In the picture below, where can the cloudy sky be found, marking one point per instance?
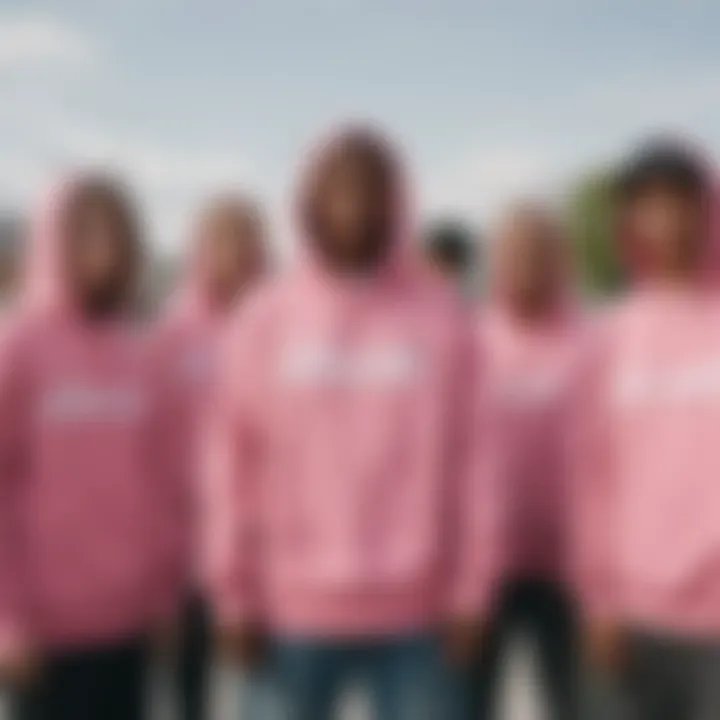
(491, 97)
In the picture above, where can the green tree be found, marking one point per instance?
(12, 235)
(591, 226)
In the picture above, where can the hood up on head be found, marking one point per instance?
(564, 298)
(43, 284)
(192, 296)
(631, 256)
(401, 254)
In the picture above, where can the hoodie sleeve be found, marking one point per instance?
(172, 519)
(477, 514)
(231, 459)
(15, 452)
(591, 494)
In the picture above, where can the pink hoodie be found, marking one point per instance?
(531, 369)
(343, 453)
(187, 339)
(647, 530)
(88, 543)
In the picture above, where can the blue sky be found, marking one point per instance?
(490, 98)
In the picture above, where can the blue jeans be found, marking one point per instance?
(405, 678)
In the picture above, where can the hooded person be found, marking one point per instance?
(227, 256)
(342, 458)
(531, 336)
(451, 251)
(88, 548)
(647, 541)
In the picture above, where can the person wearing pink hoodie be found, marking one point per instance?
(89, 562)
(342, 457)
(647, 531)
(531, 331)
(227, 256)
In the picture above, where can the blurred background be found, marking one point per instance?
(492, 99)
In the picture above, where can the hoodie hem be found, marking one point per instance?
(700, 621)
(93, 628)
(345, 615)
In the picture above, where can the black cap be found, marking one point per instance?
(451, 242)
(662, 162)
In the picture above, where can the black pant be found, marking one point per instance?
(103, 683)
(191, 678)
(668, 678)
(546, 613)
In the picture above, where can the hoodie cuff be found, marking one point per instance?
(468, 603)
(168, 601)
(14, 641)
(234, 612)
(599, 609)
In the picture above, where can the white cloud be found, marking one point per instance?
(483, 174)
(20, 176)
(662, 95)
(170, 181)
(685, 102)
(155, 167)
(488, 176)
(44, 41)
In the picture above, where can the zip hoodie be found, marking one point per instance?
(531, 368)
(342, 456)
(647, 532)
(88, 543)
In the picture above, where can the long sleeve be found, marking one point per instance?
(231, 463)
(477, 516)
(15, 455)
